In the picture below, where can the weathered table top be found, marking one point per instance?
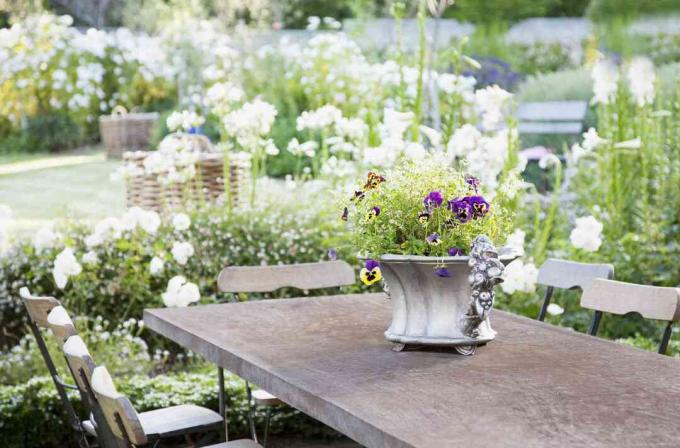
(535, 385)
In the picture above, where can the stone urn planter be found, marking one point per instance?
(451, 310)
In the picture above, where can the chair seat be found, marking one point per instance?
(180, 419)
(243, 443)
(264, 398)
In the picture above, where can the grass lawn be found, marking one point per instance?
(43, 194)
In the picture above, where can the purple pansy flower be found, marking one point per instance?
(478, 204)
(332, 254)
(433, 239)
(455, 252)
(372, 213)
(461, 209)
(442, 272)
(371, 264)
(473, 182)
(433, 200)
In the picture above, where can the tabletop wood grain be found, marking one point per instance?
(536, 385)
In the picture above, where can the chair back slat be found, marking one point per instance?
(566, 274)
(119, 413)
(651, 302)
(38, 307)
(305, 276)
(81, 363)
(61, 324)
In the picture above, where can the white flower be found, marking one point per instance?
(313, 23)
(180, 292)
(493, 103)
(270, 149)
(45, 238)
(587, 234)
(65, 265)
(518, 276)
(463, 141)
(90, 257)
(181, 252)
(641, 79)
(156, 266)
(549, 161)
(320, 118)
(515, 241)
(577, 153)
(251, 122)
(181, 221)
(554, 309)
(605, 81)
(635, 143)
(149, 221)
(184, 121)
(591, 140)
(415, 151)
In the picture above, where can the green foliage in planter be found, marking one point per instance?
(25, 405)
(390, 215)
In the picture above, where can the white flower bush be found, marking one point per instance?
(182, 251)
(587, 234)
(180, 293)
(65, 266)
(519, 277)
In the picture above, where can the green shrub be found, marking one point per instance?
(36, 401)
(603, 10)
(514, 10)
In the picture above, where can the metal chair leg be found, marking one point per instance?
(222, 401)
(666, 338)
(251, 417)
(266, 427)
(595, 323)
(546, 302)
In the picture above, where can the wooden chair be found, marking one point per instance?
(564, 274)
(145, 428)
(38, 309)
(251, 279)
(552, 117)
(651, 302)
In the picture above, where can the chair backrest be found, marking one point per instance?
(61, 324)
(117, 409)
(566, 274)
(79, 361)
(551, 117)
(305, 276)
(38, 307)
(651, 302)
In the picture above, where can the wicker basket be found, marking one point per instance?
(122, 131)
(207, 186)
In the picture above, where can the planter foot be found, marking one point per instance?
(398, 347)
(466, 350)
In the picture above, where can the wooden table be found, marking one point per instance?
(535, 385)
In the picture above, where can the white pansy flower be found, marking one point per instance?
(587, 234)
(65, 266)
(156, 266)
(182, 251)
(45, 238)
(641, 80)
(518, 276)
(181, 221)
(554, 309)
(180, 292)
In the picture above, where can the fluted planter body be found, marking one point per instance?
(427, 308)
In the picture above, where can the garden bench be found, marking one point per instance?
(651, 302)
(250, 279)
(565, 274)
(551, 117)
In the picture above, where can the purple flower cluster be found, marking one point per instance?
(469, 207)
